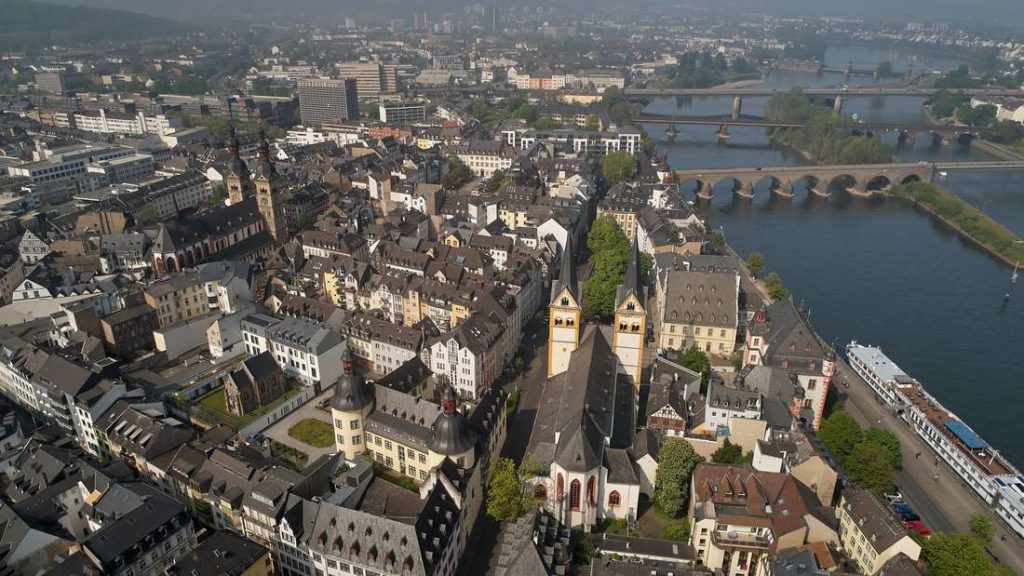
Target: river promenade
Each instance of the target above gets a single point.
(944, 504)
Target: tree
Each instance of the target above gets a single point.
(743, 66)
(479, 108)
(496, 179)
(458, 173)
(755, 262)
(869, 465)
(148, 215)
(219, 194)
(865, 151)
(605, 234)
(695, 359)
(676, 462)
(618, 167)
(884, 70)
(728, 453)
(840, 433)
(981, 527)
(959, 554)
(775, 288)
(507, 496)
(889, 441)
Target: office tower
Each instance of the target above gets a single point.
(327, 100)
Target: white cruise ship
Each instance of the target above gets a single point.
(982, 467)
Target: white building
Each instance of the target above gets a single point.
(106, 122)
(32, 249)
(304, 350)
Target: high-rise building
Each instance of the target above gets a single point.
(50, 82)
(326, 100)
(372, 78)
(402, 112)
(491, 18)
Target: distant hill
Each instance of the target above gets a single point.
(25, 25)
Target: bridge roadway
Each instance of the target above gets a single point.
(912, 130)
(860, 179)
(833, 92)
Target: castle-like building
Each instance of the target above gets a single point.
(584, 429)
(248, 228)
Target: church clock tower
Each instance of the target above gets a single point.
(630, 325)
(565, 314)
(237, 178)
(268, 193)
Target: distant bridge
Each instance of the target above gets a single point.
(908, 131)
(639, 93)
(860, 179)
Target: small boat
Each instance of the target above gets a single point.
(1013, 277)
(943, 174)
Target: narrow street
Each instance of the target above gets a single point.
(945, 504)
(481, 555)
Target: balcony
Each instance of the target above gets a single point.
(740, 540)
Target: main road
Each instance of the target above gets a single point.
(928, 485)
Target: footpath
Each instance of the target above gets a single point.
(928, 484)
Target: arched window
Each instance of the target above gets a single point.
(559, 487)
(574, 495)
(614, 500)
(592, 491)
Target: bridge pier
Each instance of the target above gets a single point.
(704, 191)
(722, 133)
(745, 190)
(859, 190)
(783, 189)
(737, 107)
(837, 106)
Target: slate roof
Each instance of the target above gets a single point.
(701, 298)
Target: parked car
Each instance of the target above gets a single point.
(918, 526)
(896, 497)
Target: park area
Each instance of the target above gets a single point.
(213, 410)
(316, 433)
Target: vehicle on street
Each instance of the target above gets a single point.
(918, 527)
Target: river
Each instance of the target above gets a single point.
(877, 271)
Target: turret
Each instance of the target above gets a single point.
(352, 402)
(451, 434)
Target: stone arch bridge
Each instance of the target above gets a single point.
(859, 179)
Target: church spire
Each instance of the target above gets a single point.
(567, 272)
(631, 282)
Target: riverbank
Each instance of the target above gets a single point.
(967, 221)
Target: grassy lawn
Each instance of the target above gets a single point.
(316, 433)
(215, 404)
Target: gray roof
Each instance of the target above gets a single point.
(132, 511)
(701, 298)
(534, 545)
(567, 272)
(878, 524)
(620, 467)
(451, 434)
(222, 554)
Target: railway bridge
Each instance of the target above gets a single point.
(858, 179)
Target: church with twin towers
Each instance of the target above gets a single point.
(583, 432)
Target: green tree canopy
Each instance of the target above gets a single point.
(864, 151)
(610, 253)
(458, 173)
(148, 215)
(508, 497)
(775, 288)
(728, 453)
(981, 527)
(695, 359)
(884, 70)
(618, 167)
(676, 462)
(840, 433)
(219, 194)
(605, 234)
(869, 465)
(755, 262)
(889, 441)
(958, 555)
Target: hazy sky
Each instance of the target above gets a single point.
(994, 11)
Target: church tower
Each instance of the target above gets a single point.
(630, 326)
(268, 193)
(565, 314)
(237, 178)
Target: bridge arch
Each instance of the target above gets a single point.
(845, 182)
(775, 185)
(911, 178)
(736, 185)
(700, 187)
(878, 182)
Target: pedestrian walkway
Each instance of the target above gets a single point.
(932, 488)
